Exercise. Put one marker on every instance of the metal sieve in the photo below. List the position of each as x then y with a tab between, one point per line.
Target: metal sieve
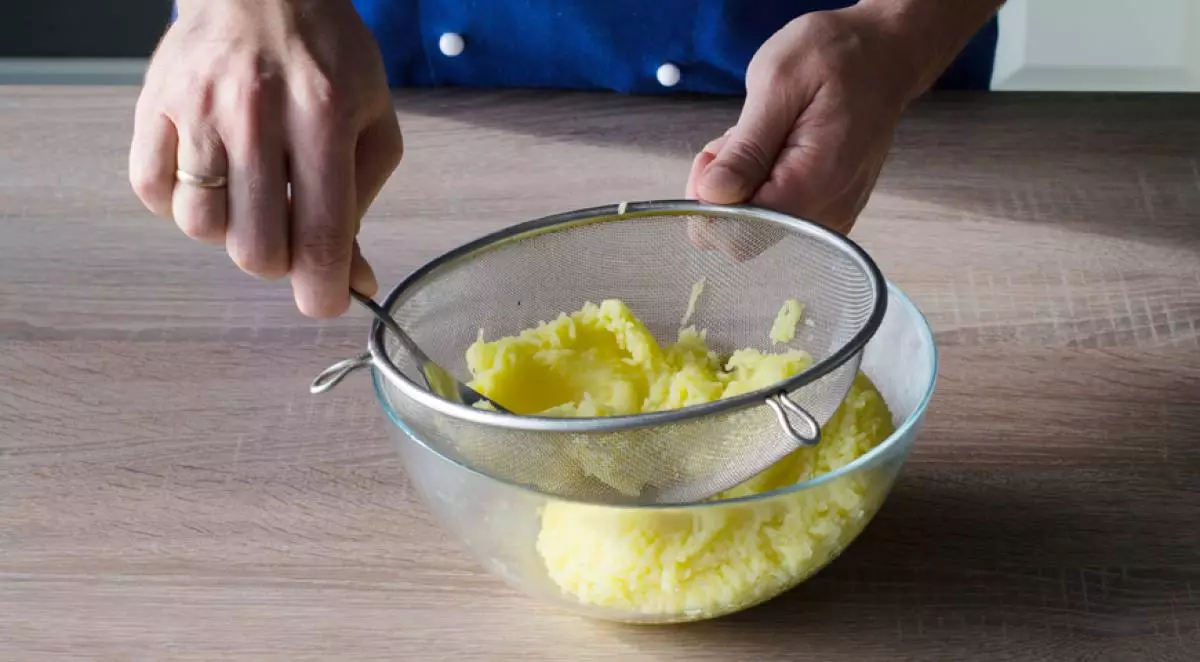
649	255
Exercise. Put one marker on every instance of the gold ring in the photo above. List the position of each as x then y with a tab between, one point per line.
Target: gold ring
213	181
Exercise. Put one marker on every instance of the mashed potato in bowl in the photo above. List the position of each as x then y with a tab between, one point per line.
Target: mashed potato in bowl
699	563
683	564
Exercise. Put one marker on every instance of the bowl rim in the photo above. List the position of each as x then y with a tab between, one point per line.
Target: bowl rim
866	460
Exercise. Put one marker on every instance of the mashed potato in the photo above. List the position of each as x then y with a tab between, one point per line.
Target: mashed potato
681	563
602	361
699	563
697	291
784	328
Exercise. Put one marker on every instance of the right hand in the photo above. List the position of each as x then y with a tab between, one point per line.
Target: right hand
270	93
823	97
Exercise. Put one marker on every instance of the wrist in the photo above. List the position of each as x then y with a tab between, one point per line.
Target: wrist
927	35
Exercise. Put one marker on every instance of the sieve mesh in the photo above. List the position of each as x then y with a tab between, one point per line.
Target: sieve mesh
647	257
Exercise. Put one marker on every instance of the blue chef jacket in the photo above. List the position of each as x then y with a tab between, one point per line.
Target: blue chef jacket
617	45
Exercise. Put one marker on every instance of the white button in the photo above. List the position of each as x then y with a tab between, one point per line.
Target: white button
668	75
451	44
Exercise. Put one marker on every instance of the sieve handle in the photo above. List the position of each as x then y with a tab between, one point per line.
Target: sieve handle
782	405
335	373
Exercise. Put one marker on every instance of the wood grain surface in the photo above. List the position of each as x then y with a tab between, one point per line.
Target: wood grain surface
170	491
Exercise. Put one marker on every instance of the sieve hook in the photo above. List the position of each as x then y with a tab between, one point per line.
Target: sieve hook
779	403
334	374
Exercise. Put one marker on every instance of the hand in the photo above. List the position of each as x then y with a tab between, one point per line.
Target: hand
823	97
271	94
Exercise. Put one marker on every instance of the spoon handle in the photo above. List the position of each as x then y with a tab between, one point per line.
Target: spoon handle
436	378
386	319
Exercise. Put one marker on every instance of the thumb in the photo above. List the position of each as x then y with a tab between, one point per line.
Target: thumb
745	161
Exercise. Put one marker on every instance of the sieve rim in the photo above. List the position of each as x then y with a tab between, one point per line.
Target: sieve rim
902	437
377	347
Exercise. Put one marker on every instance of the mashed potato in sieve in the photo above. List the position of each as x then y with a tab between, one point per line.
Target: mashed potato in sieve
602	361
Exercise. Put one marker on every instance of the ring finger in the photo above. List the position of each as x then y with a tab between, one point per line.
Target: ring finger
200	209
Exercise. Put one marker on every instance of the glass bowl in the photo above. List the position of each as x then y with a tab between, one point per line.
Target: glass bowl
765	544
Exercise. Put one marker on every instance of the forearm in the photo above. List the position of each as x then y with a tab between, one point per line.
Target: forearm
930	33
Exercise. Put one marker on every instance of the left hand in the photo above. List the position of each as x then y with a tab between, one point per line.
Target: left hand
823	97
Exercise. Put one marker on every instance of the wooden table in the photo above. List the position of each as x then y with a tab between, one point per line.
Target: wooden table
170	491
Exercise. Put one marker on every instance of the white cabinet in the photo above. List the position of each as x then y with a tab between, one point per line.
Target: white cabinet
1099	45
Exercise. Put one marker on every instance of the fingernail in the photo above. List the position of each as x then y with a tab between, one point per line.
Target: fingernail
364	280
373	283
722	185
362	276
715	145
320	305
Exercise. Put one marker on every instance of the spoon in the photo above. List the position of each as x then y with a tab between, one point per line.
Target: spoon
437	379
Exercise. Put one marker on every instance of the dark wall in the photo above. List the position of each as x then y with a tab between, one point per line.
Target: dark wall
81	28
